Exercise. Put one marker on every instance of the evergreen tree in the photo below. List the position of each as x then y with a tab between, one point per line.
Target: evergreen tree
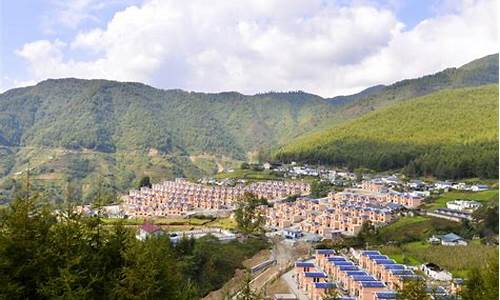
248	215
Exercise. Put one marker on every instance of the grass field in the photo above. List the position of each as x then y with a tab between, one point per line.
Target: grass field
416	228
457	259
485	197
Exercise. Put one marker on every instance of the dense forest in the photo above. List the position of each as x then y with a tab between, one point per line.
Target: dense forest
72	130
64	255
447	134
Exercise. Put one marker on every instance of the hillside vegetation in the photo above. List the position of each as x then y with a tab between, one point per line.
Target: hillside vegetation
477	72
450	133
82	131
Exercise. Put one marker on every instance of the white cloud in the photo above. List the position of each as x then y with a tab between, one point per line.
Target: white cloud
267	45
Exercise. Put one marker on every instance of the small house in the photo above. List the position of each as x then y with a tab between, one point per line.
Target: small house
435	272
148	229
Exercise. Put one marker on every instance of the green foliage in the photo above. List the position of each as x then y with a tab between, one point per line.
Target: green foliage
320	189
249	218
145	182
483	281
451	133
69	256
413	290
246	291
457	260
74	130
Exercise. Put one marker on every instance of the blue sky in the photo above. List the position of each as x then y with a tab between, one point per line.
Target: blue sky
324	47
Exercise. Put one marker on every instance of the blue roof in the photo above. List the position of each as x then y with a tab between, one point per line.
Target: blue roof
303	264
352	273
451	237
402	272
348	268
325	251
370	284
315	274
394	267
377	256
386	295
384	261
372	252
363	278
336	258
324	285
342	263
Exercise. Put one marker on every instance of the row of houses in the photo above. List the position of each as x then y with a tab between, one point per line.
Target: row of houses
404	199
177	198
331	271
369	275
328	217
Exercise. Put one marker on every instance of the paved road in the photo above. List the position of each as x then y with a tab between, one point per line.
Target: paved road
287	277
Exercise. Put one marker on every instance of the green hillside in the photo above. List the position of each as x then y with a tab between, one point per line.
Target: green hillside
478	72
81	131
76	130
451	133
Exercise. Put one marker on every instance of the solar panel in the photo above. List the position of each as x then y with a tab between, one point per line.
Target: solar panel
394	267
372	284
325	251
386	295
325	285
315	274
363	278
336	258
348	268
342	263
304	264
352	273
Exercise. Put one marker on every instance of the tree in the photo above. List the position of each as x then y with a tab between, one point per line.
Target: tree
320	189
331	294
246	292
248	215
145	182
367	234
413	290
483	283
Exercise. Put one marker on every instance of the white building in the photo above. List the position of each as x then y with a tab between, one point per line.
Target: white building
436	272
463	205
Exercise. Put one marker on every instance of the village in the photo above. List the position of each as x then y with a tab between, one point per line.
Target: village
293	216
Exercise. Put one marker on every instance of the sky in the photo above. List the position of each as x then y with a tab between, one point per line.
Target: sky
324	47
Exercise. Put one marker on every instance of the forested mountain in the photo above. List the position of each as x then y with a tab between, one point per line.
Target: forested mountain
478	72
72	128
449	134
79	130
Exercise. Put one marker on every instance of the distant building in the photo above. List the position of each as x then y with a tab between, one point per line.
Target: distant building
463	205
449	239
479	188
292	234
148	229
436	272
452	239
454	214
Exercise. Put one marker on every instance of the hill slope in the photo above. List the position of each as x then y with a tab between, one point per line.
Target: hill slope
450	133
79	130
478	72
72	129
